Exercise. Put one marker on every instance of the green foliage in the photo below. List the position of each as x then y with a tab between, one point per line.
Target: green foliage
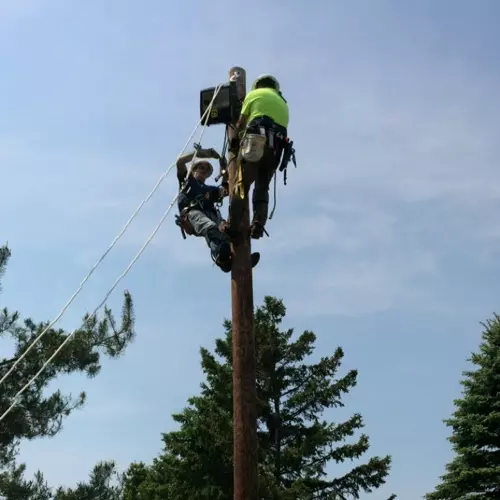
295	442
104	484
13	486
37	414
475	470
140	483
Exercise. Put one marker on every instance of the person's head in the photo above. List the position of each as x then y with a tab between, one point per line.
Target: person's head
266	81
202	170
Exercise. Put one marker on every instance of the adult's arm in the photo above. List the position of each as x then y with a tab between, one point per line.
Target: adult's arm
243	119
183	160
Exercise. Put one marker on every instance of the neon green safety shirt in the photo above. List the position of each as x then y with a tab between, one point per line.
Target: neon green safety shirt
265	102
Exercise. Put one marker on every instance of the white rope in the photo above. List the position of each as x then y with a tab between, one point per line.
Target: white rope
205	116
133	261
134	215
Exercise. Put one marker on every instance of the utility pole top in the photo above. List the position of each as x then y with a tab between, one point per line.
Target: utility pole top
239	75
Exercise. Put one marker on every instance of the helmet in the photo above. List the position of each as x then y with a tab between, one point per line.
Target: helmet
263	77
197	163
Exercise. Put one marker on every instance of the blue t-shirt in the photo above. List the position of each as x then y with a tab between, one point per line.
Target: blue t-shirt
196	190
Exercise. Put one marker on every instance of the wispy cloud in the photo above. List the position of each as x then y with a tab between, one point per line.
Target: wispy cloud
349	260
415	145
392	208
364	287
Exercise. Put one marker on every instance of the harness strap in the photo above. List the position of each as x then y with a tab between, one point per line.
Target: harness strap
182	219
183	222
274	197
277	137
288	154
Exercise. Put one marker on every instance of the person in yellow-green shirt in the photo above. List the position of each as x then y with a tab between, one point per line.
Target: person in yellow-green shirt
263	126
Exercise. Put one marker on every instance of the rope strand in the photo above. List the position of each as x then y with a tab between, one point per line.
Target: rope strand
205	116
133	261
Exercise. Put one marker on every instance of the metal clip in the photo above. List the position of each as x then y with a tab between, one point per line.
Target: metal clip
179	223
222	173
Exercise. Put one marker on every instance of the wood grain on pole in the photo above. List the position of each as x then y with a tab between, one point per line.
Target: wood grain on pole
244	385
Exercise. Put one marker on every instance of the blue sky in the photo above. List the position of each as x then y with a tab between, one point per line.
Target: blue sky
385	240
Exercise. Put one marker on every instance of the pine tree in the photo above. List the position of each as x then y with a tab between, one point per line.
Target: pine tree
105	483
139	483
14	486
37	414
474	473
295	443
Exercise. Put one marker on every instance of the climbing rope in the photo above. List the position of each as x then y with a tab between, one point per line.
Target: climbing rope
133	261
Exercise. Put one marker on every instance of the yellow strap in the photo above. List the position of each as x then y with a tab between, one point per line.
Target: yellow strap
239	188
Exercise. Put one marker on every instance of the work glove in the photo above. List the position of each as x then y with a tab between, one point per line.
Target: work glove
213	154
208	153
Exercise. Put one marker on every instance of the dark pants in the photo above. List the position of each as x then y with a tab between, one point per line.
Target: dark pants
206	224
261	173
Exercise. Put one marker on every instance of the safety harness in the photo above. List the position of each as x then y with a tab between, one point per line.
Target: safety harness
182	219
278	141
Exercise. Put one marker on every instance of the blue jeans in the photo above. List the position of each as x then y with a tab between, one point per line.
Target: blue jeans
206	224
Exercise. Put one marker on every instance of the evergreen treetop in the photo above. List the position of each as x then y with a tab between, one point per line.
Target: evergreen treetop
295	441
474	472
36	414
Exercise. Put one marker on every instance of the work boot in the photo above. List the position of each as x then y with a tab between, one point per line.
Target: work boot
255	258
223	259
257	230
226	265
259	219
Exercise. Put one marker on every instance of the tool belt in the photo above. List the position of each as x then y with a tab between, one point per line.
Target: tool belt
273	135
183	222
276	138
182	219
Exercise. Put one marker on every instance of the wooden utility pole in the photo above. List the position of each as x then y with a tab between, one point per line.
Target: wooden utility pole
244	376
